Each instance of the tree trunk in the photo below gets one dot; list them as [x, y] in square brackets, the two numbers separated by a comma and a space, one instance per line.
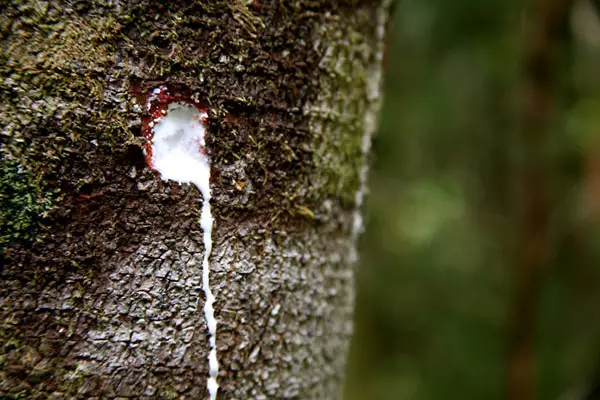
[533, 205]
[101, 284]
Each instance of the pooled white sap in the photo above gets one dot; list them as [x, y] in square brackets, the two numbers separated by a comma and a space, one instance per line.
[178, 138]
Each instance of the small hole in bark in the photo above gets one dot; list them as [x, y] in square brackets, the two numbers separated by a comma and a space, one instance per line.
[160, 42]
[85, 189]
[136, 157]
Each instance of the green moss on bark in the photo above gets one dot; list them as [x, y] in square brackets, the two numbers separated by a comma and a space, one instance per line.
[23, 203]
[59, 112]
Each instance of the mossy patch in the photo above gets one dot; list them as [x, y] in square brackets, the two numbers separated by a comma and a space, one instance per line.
[23, 204]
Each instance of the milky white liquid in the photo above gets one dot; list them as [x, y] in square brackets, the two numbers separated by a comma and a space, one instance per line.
[178, 137]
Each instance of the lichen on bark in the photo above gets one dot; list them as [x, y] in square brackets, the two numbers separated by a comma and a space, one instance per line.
[107, 302]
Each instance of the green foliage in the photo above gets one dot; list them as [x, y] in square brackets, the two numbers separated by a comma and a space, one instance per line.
[435, 291]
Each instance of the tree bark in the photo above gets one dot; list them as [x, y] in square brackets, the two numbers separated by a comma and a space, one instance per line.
[101, 278]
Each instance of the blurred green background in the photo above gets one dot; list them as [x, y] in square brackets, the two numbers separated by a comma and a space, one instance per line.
[437, 290]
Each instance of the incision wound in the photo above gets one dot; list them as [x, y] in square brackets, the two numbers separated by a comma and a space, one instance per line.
[175, 132]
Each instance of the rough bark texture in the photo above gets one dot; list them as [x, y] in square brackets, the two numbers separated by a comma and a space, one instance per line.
[101, 261]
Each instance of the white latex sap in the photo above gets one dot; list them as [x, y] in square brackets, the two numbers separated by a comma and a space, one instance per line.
[177, 155]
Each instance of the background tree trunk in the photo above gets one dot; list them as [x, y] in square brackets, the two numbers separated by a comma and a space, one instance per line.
[101, 278]
[533, 203]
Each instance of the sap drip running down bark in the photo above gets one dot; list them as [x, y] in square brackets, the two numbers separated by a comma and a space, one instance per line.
[176, 135]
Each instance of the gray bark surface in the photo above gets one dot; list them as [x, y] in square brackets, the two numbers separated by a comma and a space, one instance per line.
[100, 285]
